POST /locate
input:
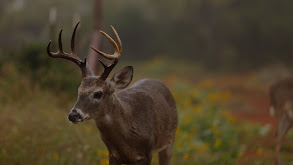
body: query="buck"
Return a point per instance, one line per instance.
(281, 106)
(134, 122)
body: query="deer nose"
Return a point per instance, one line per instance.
(73, 116)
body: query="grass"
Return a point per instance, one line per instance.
(34, 129)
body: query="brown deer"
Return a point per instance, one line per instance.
(281, 106)
(135, 122)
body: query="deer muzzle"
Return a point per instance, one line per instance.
(77, 115)
(74, 117)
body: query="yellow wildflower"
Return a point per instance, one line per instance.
(179, 145)
(88, 128)
(226, 113)
(232, 119)
(186, 120)
(178, 131)
(224, 96)
(203, 148)
(213, 127)
(102, 153)
(186, 156)
(104, 162)
(240, 154)
(197, 108)
(55, 156)
(218, 142)
(176, 96)
(205, 84)
(213, 97)
(192, 132)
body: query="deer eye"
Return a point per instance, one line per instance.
(98, 95)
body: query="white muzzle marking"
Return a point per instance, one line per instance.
(83, 115)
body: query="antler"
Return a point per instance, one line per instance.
(69, 56)
(115, 56)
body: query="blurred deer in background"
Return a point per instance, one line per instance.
(281, 106)
(135, 122)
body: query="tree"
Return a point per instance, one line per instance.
(96, 36)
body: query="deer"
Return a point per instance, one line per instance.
(133, 122)
(281, 106)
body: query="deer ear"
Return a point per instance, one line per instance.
(122, 78)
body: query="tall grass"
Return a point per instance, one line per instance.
(34, 128)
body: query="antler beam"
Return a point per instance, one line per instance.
(69, 56)
(115, 56)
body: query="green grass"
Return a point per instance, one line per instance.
(37, 132)
(34, 128)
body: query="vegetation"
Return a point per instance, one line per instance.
(34, 128)
(183, 43)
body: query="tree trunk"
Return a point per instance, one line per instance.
(93, 57)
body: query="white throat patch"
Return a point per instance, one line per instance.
(108, 118)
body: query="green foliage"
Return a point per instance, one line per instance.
(32, 65)
(34, 128)
(206, 133)
(217, 34)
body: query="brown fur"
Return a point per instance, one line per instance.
(281, 99)
(143, 119)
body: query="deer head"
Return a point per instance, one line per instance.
(95, 92)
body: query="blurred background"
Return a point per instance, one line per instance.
(218, 57)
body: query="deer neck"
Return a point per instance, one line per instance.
(114, 116)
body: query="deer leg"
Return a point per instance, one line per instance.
(284, 124)
(146, 161)
(113, 160)
(165, 155)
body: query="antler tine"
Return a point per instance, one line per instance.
(60, 49)
(69, 56)
(61, 54)
(117, 53)
(48, 49)
(115, 56)
(116, 48)
(118, 39)
(107, 69)
(60, 41)
(73, 39)
(104, 65)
